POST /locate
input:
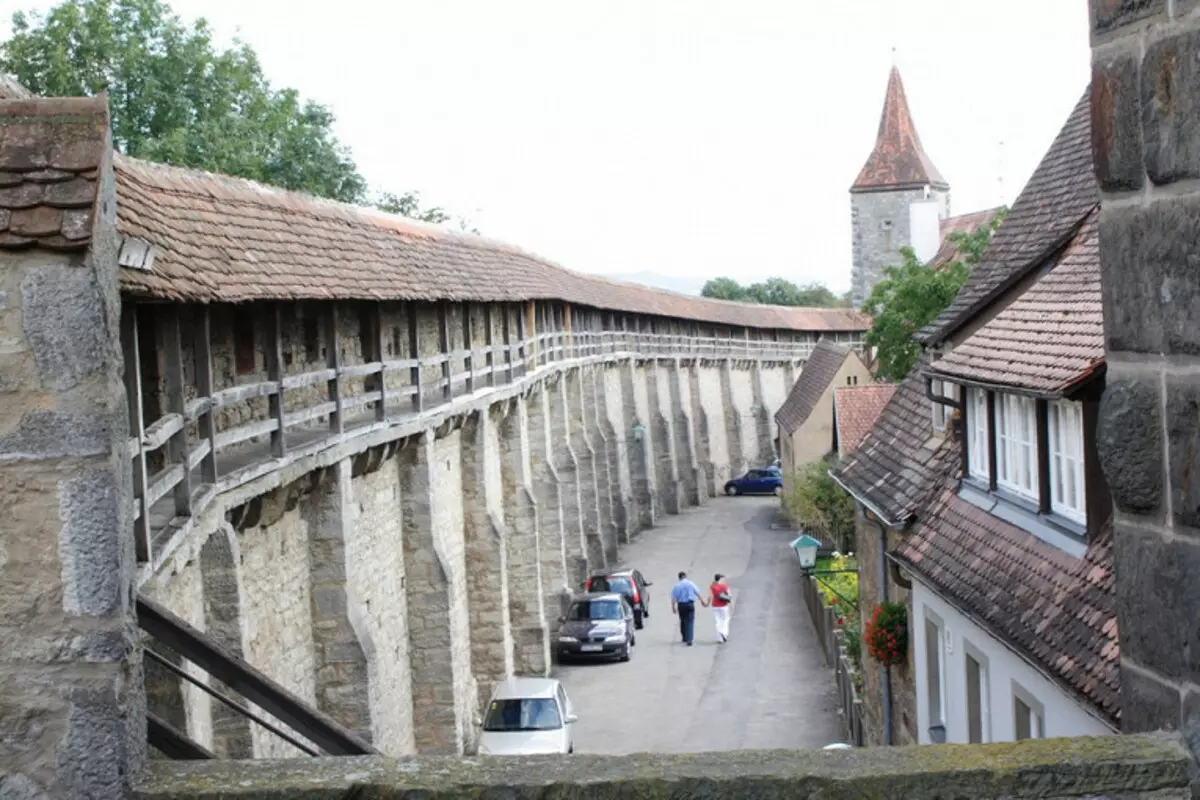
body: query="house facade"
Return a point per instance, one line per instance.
(982, 503)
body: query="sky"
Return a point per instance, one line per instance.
(688, 138)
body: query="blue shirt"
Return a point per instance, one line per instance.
(685, 592)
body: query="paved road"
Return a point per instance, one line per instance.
(768, 686)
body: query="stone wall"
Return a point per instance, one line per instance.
(1146, 147)
(879, 225)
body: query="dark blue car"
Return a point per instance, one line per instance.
(757, 481)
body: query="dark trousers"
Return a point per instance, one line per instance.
(687, 620)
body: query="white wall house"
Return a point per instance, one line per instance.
(978, 689)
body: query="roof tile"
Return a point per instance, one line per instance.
(898, 160)
(856, 409)
(820, 368)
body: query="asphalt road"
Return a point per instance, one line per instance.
(767, 687)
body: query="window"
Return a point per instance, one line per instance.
(1066, 460)
(1027, 719)
(1016, 444)
(933, 678)
(977, 445)
(977, 700)
(523, 714)
(942, 413)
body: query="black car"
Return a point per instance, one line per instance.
(597, 625)
(628, 582)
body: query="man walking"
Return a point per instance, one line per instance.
(683, 602)
(720, 599)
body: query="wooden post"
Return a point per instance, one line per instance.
(177, 445)
(207, 422)
(521, 348)
(274, 348)
(531, 323)
(568, 332)
(507, 338)
(1042, 414)
(333, 361)
(489, 342)
(380, 379)
(137, 426)
(991, 434)
(414, 354)
(444, 333)
(469, 362)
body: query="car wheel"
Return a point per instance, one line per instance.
(570, 749)
(778, 491)
(637, 619)
(732, 491)
(632, 641)
(645, 611)
(625, 653)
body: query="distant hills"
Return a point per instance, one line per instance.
(690, 286)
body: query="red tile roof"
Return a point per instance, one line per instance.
(51, 151)
(218, 238)
(1049, 338)
(898, 160)
(963, 223)
(1058, 610)
(855, 410)
(1061, 192)
(820, 368)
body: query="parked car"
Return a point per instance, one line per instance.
(628, 582)
(528, 716)
(756, 481)
(597, 625)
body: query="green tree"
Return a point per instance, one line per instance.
(912, 295)
(816, 504)
(773, 291)
(409, 205)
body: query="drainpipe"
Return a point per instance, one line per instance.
(883, 596)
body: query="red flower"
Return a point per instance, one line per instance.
(841, 621)
(833, 601)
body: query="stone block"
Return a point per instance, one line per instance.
(92, 757)
(1149, 262)
(47, 434)
(1170, 99)
(1147, 704)
(63, 319)
(1129, 441)
(1158, 602)
(95, 576)
(1109, 15)
(1116, 123)
(1183, 437)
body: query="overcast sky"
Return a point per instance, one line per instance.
(684, 137)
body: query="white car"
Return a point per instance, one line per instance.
(528, 716)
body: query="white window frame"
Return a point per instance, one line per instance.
(1068, 490)
(1037, 712)
(978, 445)
(985, 692)
(934, 621)
(942, 413)
(1017, 445)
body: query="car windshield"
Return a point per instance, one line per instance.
(616, 584)
(594, 609)
(523, 714)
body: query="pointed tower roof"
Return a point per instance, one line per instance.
(898, 160)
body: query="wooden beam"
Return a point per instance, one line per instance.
(137, 425)
(163, 737)
(177, 447)
(991, 433)
(489, 343)
(521, 350)
(506, 337)
(380, 381)
(568, 330)
(206, 422)
(414, 353)
(333, 361)
(444, 343)
(274, 352)
(469, 361)
(1042, 442)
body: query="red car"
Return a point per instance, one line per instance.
(628, 582)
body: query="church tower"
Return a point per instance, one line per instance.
(898, 200)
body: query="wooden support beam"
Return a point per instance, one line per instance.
(177, 447)
(1042, 413)
(137, 426)
(380, 381)
(444, 340)
(506, 337)
(521, 349)
(489, 343)
(567, 331)
(206, 422)
(991, 434)
(469, 361)
(274, 351)
(163, 737)
(414, 353)
(333, 361)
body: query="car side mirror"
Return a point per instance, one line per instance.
(572, 719)
(649, 583)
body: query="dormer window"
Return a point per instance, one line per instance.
(942, 412)
(978, 441)
(1066, 460)
(1016, 445)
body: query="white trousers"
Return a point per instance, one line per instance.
(721, 617)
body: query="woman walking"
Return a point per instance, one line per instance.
(720, 598)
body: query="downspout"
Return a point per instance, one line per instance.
(883, 596)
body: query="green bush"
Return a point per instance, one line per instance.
(817, 505)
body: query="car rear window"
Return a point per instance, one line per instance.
(523, 714)
(594, 609)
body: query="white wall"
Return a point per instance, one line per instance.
(924, 225)
(1063, 715)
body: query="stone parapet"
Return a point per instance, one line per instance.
(1131, 767)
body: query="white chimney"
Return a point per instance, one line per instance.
(925, 230)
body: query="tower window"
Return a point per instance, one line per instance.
(887, 225)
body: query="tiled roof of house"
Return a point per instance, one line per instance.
(1061, 192)
(899, 461)
(1049, 338)
(898, 160)
(11, 90)
(963, 223)
(855, 410)
(1057, 609)
(233, 240)
(820, 368)
(51, 151)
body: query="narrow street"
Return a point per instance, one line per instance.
(767, 687)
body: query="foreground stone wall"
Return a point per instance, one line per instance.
(1130, 768)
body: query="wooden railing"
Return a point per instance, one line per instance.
(179, 458)
(823, 619)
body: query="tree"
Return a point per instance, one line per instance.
(912, 295)
(816, 504)
(409, 205)
(773, 291)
